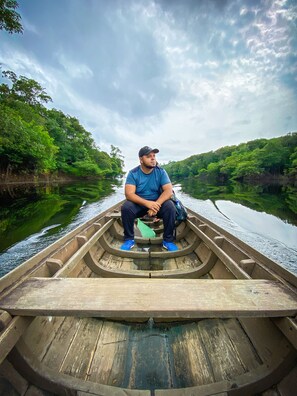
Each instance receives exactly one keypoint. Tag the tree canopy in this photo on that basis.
(9, 18)
(34, 139)
(276, 156)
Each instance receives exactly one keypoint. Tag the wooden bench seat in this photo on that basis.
(158, 298)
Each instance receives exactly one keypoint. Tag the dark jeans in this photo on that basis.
(131, 211)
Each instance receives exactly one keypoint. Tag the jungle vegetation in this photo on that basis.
(36, 140)
(246, 161)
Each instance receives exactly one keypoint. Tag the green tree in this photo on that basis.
(260, 156)
(24, 145)
(292, 169)
(24, 89)
(213, 169)
(103, 161)
(275, 156)
(34, 139)
(9, 18)
(117, 161)
(246, 168)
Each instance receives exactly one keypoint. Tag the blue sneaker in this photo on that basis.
(128, 245)
(170, 246)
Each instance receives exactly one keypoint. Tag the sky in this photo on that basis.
(183, 76)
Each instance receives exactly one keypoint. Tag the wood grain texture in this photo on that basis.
(160, 298)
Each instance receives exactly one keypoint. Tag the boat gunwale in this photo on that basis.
(255, 254)
(30, 265)
(25, 269)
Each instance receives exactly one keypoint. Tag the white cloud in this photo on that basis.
(185, 81)
(243, 11)
(74, 69)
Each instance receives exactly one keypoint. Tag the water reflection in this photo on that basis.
(263, 216)
(32, 217)
(259, 222)
(26, 211)
(280, 201)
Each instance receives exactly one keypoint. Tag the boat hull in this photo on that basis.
(83, 317)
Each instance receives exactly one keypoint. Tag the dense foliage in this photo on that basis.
(34, 139)
(9, 18)
(276, 156)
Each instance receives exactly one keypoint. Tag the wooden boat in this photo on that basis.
(83, 317)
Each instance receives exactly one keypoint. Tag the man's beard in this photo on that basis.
(149, 166)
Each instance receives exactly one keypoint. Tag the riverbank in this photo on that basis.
(266, 178)
(269, 178)
(27, 179)
(34, 179)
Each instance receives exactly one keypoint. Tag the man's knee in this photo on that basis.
(169, 205)
(168, 209)
(127, 206)
(130, 208)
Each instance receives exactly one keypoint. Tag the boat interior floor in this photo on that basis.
(155, 355)
(212, 355)
(144, 355)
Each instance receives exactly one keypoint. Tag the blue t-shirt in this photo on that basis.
(148, 186)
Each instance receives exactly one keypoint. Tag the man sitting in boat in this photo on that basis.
(148, 190)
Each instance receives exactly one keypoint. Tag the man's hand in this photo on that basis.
(154, 206)
(151, 213)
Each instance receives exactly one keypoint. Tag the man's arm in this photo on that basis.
(130, 193)
(166, 194)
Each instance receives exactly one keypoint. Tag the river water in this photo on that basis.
(33, 217)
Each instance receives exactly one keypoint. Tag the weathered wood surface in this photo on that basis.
(146, 355)
(11, 334)
(159, 298)
(254, 254)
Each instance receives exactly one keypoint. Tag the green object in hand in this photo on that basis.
(145, 230)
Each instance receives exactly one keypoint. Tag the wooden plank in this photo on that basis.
(191, 364)
(271, 392)
(251, 252)
(222, 354)
(5, 318)
(29, 267)
(228, 261)
(188, 262)
(288, 385)
(11, 334)
(148, 361)
(8, 372)
(288, 327)
(82, 251)
(109, 360)
(266, 339)
(220, 271)
(41, 333)
(80, 354)
(165, 298)
(34, 391)
(58, 383)
(241, 342)
(56, 352)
